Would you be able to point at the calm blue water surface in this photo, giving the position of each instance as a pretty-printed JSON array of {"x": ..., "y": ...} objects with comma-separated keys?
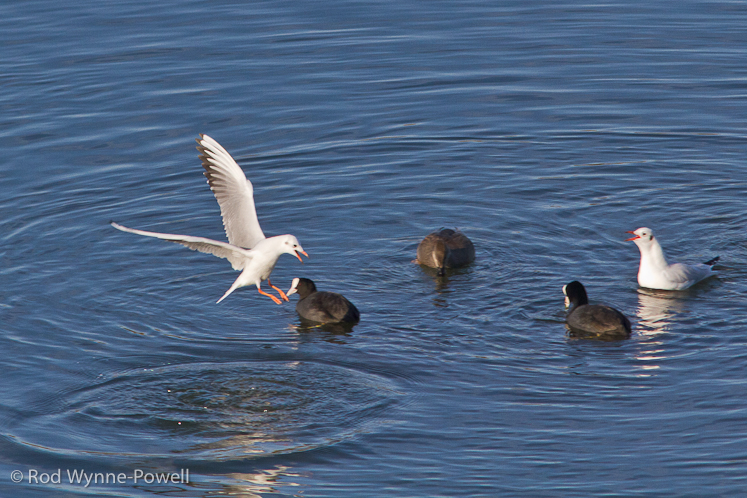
[{"x": 543, "y": 130}]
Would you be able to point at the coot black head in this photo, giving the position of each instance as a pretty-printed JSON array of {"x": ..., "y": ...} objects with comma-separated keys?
[
  {"x": 302, "y": 286},
  {"x": 575, "y": 294},
  {"x": 593, "y": 320}
]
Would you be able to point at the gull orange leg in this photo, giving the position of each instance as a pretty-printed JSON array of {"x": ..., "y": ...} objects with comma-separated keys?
[
  {"x": 282, "y": 294},
  {"x": 277, "y": 301}
]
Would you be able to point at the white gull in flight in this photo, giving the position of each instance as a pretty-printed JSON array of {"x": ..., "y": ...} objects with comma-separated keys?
[{"x": 247, "y": 248}]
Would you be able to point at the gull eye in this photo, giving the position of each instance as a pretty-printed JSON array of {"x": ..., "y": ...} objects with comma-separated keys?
[{"x": 295, "y": 245}]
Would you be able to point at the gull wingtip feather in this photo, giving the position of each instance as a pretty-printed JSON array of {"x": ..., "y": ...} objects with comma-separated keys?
[{"x": 119, "y": 227}]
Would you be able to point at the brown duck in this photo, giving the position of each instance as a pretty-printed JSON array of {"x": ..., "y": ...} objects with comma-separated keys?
[{"x": 446, "y": 248}]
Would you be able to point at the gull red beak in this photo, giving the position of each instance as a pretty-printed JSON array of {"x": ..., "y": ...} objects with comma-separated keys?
[
  {"x": 299, "y": 257},
  {"x": 626, "y": 240}
]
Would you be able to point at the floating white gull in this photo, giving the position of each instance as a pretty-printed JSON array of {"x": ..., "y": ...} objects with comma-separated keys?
[
  {"x": 655, "y": 273},
  {"x": 247, "y": 249}
]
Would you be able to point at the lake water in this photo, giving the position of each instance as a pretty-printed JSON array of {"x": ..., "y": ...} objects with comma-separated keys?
[{"x": 542, "y": 130}]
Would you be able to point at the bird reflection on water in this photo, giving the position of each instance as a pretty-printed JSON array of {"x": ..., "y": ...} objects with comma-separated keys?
[
  {"x": 656, "y": 310},
  {"x": 336, "y": 329},
  {"x": 443, "y": 283}
]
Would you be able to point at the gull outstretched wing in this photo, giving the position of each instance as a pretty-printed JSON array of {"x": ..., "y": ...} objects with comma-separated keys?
[
  {"x": 234, "y": 193},
  {"x": 238, "y": 256}
]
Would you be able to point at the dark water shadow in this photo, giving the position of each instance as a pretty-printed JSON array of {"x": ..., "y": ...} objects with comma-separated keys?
[
  {"x": 441, "y": 281},
  {"x": 332, "y": 332},
  {"x": 577, "y": 335}
]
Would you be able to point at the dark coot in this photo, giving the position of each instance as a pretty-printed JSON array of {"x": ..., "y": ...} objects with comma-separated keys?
[
  {"x": 320, "y": 306},
  {"x": 593, "y": 320}
]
